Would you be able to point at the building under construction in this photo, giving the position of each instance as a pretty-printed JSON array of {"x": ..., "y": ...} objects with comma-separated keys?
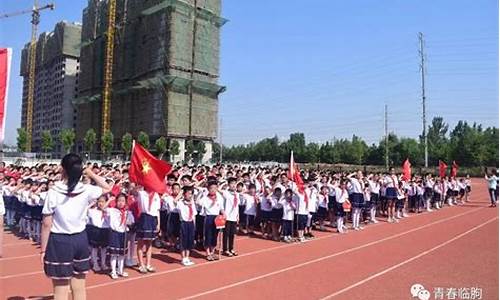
[
  {"x": 56, "y": 77},
  {"x": 165, "y": 69}
]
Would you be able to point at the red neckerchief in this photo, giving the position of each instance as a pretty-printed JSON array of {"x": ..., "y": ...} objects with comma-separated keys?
[
  {"x": 306, "y": 199},
  {"x": 190, "y": 213},
  {"x": 291, "y": 203},
  {"x": 123, "y": 215},
  {"x": 235, "y": 200},
  {"x": 103, "y": 214},
  {"x": 325, "y": 197},
  {"x": 394, "y": 183},
  {"x": 212, "y": 197}
]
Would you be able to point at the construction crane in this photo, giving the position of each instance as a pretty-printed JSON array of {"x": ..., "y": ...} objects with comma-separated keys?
[
  {"x": 108, "y": 68},
  {"x": 35, "y": 20}
]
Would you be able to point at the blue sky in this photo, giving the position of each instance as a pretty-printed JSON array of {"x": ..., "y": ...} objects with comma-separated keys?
[{"x": 327, "y": 67}]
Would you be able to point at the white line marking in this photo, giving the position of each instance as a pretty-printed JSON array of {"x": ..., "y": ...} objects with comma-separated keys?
[
  {"x": 325, "y": 257},
  {"x": 407, "y": 261},
  {"x": 18, "y": 257},
  {"x": 226, "y": 259}
]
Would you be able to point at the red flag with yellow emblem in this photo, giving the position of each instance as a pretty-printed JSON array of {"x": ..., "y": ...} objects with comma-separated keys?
[{"x": 147, "y": 170}]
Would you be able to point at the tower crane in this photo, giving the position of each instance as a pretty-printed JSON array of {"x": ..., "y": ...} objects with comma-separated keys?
[{"x": 35, "y": 20}]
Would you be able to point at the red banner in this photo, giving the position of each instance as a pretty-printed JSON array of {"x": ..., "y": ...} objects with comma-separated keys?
[
  {"x": 406, "y": 170},
  {"x": 147, "y": 170},
  {"x": 442, "y": 169},
  {"x": 5, "y": 59}
]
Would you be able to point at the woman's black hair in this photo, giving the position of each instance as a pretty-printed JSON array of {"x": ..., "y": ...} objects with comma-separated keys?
[{"x": 72, "y": 165}]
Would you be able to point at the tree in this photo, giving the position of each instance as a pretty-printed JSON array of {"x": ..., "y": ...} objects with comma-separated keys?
[
  {"x": 89, "y": 141},
  {"x": 127, "y": 140},
  {"x": 47, "y": 141},
  {"x": 437, "y": 140},
  {"x": 22, "y": 140},
  {"x": 195, "y": 150},
  {"x": 161, "y": 146},
  {"x": 67, "y": 138},
  {"x": 143, "y": 139},
  {"x": 107, "y": 141},
  {"x": 174, "y": 149}
]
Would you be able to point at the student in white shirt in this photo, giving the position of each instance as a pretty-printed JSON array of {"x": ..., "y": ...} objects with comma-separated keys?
[
  {"x": 276, "y": 214},
  {"x": 312, "y": 207},
  {"x": 342, "y": 198},
  {"x": 119, "y": 219},
  {"x": 391, "y": 194},
  {"x": 64, "y": 243},
  {"x": 266, "y": 208},
  {"x": 147, "y": 228},
  {"x": 251, "y": 200},
  {"x": 212, "y": 205},
  {"x": 289, "y": 207},
  {"x": 322, "y": 213},
  {"x": 173, "y": 221},
  {"x": 187, "y": 215},
  {"x": 231, "y": 203},
  {"x": 357, "y": 198},
  {"x": 97, "y": 233}
]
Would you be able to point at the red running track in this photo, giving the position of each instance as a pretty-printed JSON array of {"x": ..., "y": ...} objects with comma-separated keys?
[{"x": 456, "y": 247}]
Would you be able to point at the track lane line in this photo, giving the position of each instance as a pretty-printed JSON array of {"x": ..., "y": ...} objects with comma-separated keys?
[{"x": 387, "y": 270}]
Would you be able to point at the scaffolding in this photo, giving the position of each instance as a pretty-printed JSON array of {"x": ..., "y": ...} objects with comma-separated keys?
[{"x": 166, "y": 64}]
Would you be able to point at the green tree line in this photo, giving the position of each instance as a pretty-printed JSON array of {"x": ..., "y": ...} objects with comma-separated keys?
[{"x": 468, "y": 145}]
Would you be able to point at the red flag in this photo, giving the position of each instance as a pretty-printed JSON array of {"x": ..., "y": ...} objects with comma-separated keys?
[
  {"x": 442, "y": 169},
  {"x": 5, "y": 59},
  {"x": 147, "y": 170},
  {"x": 407, "y": 170},
  {"x": 454, "y": 169},
  {"x": 294, "y": 174}
]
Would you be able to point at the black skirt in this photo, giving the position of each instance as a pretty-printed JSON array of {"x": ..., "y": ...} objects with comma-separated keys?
[
  {"x": 117, "y": 244},
  {"x": 66, "y": 255},
  {"x": 146, "y": 227},
  {"x": 98, "y": 237}
]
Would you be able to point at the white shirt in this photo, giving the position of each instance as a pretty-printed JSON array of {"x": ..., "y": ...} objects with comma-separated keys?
[
  {"x": 230, "y": 208},
  {"x": 374, "y": 186},
  {"x": 391, "y": 181},
  {"x": 97, "y": 218},
  {"x": 251, "y": 204},
  {"x": 302, "y": 208},
  {"x": 143, "y": 199},
  {"x": 211, "y": 208},
  {"x": 323, "y": 200},
  {"x": 276, "y": 202},
  {"x": 341, "y": 195},
  {"x": 115, "y": 219},
  {"x": 266, "y": 203},
  {"x": 183, "y": 209},
  {"x": 170, "y": 204},
  {"x": 2, "y": 207},
  {"x": 69, "y": 212},
  {"x": 312, "y": 193},
  {"x": 356, "y": 185}
]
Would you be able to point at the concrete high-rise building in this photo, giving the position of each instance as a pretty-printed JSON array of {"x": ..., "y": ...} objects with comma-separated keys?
[
  {"x": 165, "y": 72},
  {"x": 56, "y": 79}
]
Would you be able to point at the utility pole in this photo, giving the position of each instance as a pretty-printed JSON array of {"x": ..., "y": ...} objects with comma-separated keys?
[
  {"x": 386, "y": 139},
  {"x": 422, "y": 72}
]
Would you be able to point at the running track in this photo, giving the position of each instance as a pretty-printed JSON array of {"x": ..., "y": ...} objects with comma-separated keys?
[{"x": 455, "y": 247}]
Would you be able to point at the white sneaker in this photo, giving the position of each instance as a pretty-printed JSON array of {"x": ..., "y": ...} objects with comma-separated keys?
[
  {"x": 185, "y": 262},
  {"x": 361, "y": 227},
  {"x": 374, "y": 221},
  {"x": 405, "y": 215},
  {"x": 113, "y": 275},
  {"x": 123, "y": 274},
  {"x": 189, "y": 262},
  {"x": 357, "y": 228},
  {"x": 97, "y": 268},
  {"x": 396, "y": 221},
  {"x": 389, "y": 220},
  {"x": 302, "y": 240}
]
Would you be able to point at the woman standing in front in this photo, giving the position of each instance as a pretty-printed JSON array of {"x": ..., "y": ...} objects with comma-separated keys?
[{"x": 65, "y": 249}]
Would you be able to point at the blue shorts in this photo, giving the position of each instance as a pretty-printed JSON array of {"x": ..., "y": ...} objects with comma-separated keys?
[
  {"x": 357, "y": 200},
  {"x": 210, "y": 232},
  {"x": 301, "y": 222},
  {"x": 391, "y": 193},
  {"x": 146, "y": 227},
  {"x": 98, "y": 237},
  {"x": 66, "y": 255},
  {"x": 174, "y": 225},
  {"x": 187, "y": 235}
]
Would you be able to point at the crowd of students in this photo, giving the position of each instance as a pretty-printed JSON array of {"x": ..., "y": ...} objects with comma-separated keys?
[{"x": 94, "y": 217}]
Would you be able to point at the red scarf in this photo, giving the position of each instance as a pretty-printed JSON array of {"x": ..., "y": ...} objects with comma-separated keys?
[
  {"x": 306, "y": 199},
  {"x": 212, "y": 197},
  {"x": 235, "y": 200},
  {"x": 123, "y": 215},
  {"x": 190, "y": 213},
  {"x": 103, "y": 215}
]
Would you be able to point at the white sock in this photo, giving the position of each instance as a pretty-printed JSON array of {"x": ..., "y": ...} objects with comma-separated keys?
[
  {"x": 93, "y": 254},
  {"x": 373, "y": 211},
  {"x": 103, "y": 258},
  {"x": 113, "y": 263},
  {"x": 121, "y": 259},
  {"x": 340, "y": 222}
]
